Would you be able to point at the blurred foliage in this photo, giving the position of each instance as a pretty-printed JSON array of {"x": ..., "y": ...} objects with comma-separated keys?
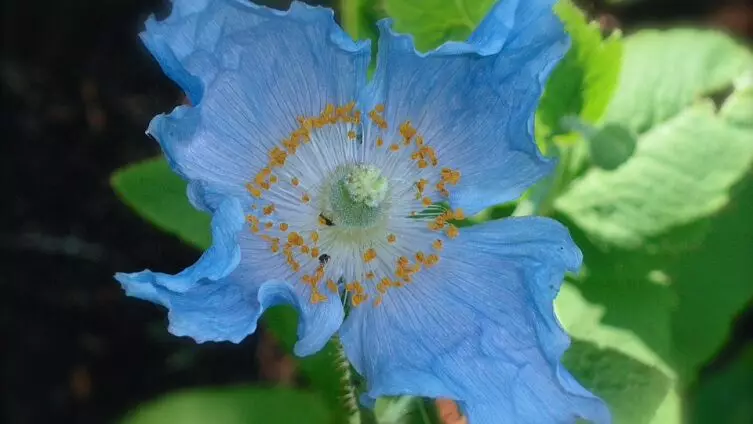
[
  {"x": 727, "y": 396},
  {"x": 236, "y": 405},
  {"x": 655, "y": 134}
]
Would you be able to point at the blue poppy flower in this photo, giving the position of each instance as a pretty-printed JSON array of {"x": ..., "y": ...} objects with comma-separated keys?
[{"x": 324, "y": 190}]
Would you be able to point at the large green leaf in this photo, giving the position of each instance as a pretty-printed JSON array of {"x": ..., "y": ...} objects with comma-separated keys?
[
  {"x": 582, "y": 84},
  {"x": 665, "y": 71},
  {"x": 681, "y": 171},
  {"x": 359, "y": 19},
  {"x": 666, "y": 309},
  {"x": 432, "y": 22},
  {"x": 726, "y": 396},
  {"x": 616, "y": 364},
  {"x": 688, "y": 155},
  {"x": 714, "y": 283},
  {"x": 159, "y": 195},
  {"x": 238, "y": 405}
]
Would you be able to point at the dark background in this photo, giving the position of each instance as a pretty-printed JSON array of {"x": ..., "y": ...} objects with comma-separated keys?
[{"x": 78, "y": 90}]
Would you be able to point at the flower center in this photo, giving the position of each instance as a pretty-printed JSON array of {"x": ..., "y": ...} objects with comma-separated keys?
[{"x": 355, "y": 196}]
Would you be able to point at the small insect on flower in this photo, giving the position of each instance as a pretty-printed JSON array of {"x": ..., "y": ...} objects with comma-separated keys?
[{"x": 325, "y": 188}]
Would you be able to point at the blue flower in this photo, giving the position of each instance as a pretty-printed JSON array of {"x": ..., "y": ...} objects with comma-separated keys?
[{"x": 324, "y": 190}]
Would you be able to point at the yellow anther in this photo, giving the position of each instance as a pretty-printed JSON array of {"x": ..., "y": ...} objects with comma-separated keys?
[
  {"x": 458, "y": 214},
  {"x": 295, "y": 181},
  {"x": 305, "y": 198},
  {"x": 329, "y": 110},
  {"x": 450, "y": 176},
  {"x": 377, "y": 301},
  {"x": 442, "y": 189},
  {"x": 332, "y": 286},
  {"x": 358, "y": 299},
  {"x": 269, "y": 225},
  {"x": 420, "y": 257},
  {"x": 394, "y": 147},
  {"x": 273, "y": 179},
  {"x": 275, "y": 246},
  {"x": 437, "y": 224},
  {"x": 277, "y": 157},
  {"x": 421, "y": 185},
  {"x": 431, "y": 260},
  {"x": 379, "y": 142},
  {"x": 295, "y": 239},
  {"x": 269, "y": 209},
  {"x": 391, "y": 238},
  {"x": 283, "y": 226},
  {"x": 352, "y": 135},
  {"x": 314, "y": 237},
  {"x": 437, "y": 244},
  {"x": 419, "y": 141},
  {"x": 295, "y": 266},
  {"x": 453, "y": 232},
  {"x": 379, "y": 108},
  {"x": 322, "y": 221},
  {"x": 317, "y": 297},
  {"x": 315, "y": 252},
  {"x": 369, "y": 255},
  {"x": 426, "y": 202},
  {"x": 370, "y": 275},
  {"x": 354, "y": 287},
  {"x": 253, "y": 190},
  {"x": 305, "y": 249},
  {"x": 407, "y": 131},
  {"x": 422, "y": 164},
  {"x": 259, "y": 178},
  {"x": 291, "y": 145}
]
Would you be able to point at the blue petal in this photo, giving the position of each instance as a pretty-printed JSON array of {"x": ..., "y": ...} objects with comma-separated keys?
[
  {"x": 250, "y": 71},
  {"x": 474, "y": 102},
  {"x": 221, "y": 297},
  {"x": 479, "y": 328}
]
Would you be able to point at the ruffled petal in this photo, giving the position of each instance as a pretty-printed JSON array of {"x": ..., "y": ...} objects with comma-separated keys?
[
  {"x": 250, "y": 72},
  {"x": 479, "y": 327},
  {"x": 474, "y": 102},
  {"x": 222, "y": 296}
]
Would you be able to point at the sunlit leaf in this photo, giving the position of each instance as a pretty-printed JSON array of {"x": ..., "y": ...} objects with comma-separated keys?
[{"x": 238, "y": 405}]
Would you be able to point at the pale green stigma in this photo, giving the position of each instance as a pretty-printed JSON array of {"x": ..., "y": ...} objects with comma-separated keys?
[
  {"x": 355, "y": 196},
  {"x": 365, "y": 184}
]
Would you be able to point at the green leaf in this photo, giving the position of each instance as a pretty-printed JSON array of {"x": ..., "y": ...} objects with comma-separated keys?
[
  {"x": 738, "y": 107},
  {"x": 159, "y": 196},
  {"x": 713, "y": 283},
  {"x": 616, "y": 364},
  {"x": 665, "y": 71},
  {"x": 608, "y": 147},
  {"x": 633, "y": 390},
  {"x": 321, "y": 368},
  {"x": 238, "y": 405},
  {"x": 406, "y": 410},
  {"x": 726, "y": 396},
  {"x": 432, "y": 22},
  {"x": 681, "y": 171},
  {"x": 668, "y": 311},
  {"x": 584, "y": 81},
  {"x": 359, "y": 19}
]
